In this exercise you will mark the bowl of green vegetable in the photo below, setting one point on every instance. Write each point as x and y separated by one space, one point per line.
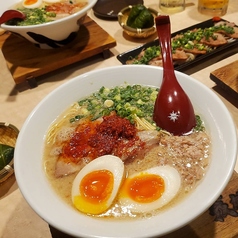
8 138
138 20
48 23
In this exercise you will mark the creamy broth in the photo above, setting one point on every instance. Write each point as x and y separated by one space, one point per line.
189 154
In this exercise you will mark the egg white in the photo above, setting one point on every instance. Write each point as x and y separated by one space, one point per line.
107 162
37 4
172 183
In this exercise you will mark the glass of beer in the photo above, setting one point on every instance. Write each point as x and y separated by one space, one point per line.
213 7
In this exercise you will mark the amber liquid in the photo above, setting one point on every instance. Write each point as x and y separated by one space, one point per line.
213 7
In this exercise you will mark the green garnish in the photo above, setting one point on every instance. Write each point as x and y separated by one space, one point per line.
34 16
125 101
188 40
131 102
199 124
149 54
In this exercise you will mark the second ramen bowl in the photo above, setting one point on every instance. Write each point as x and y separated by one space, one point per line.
49 35
44 200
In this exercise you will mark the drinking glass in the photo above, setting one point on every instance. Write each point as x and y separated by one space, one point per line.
172 6
213 7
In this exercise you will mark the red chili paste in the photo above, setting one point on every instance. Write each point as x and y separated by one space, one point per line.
114 135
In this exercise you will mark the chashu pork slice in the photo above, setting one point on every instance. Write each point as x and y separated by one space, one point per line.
125 149
229 24
217 40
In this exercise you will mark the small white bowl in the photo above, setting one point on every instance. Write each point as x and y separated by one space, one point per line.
52 34
42 198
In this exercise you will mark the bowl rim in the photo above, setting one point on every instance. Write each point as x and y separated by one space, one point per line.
131 29
80 13
196 211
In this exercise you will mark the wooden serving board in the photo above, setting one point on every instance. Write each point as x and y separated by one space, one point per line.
26 62
227 78
220 221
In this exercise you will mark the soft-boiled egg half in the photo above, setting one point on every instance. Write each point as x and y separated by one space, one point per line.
96 185
32 3
151 189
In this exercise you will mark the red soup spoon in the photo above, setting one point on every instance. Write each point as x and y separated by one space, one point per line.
11 14
173 110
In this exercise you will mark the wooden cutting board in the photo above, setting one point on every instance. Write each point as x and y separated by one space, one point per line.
220 221
227 78
26 62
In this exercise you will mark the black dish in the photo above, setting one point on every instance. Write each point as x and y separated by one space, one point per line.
109 9
200 61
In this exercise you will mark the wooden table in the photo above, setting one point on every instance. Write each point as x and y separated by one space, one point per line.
17 219
27 65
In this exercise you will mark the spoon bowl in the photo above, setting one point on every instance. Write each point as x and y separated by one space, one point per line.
11 14
173 110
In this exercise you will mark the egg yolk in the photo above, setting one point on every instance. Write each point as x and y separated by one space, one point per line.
30 2
96 187
145 188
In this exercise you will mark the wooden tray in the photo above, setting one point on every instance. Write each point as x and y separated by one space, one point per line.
26 62
220 221
227 78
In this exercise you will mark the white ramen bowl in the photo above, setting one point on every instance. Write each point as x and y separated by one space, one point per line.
52 34
42 198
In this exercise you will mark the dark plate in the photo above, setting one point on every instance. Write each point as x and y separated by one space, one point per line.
200 61
109 9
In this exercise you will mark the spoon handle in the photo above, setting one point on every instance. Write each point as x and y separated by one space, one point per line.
163 29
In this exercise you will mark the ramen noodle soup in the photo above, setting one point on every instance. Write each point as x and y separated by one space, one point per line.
106 157
43 11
